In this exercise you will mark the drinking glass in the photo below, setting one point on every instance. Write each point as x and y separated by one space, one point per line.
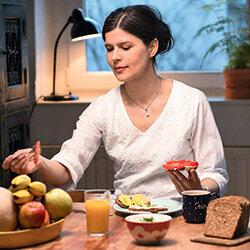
97 206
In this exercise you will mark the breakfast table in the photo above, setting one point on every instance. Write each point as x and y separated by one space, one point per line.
74 235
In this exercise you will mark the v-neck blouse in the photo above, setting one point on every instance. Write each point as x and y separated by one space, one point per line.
126 116
184 130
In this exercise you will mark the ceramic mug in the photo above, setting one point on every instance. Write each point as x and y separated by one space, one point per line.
195 204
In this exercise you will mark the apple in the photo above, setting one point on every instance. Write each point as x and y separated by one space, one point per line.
31 214
46 219
58 203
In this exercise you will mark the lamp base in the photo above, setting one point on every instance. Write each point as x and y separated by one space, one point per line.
55 97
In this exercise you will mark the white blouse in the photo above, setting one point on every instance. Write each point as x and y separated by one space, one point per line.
184 130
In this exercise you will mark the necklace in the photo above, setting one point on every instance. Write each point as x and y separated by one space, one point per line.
149 104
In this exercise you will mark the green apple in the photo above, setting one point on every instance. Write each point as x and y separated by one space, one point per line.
58 203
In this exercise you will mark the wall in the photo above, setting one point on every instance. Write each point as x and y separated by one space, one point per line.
50 16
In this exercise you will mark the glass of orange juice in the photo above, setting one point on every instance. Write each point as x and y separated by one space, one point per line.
97 206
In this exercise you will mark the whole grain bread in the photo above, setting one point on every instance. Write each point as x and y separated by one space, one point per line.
152 209
245 204
227 217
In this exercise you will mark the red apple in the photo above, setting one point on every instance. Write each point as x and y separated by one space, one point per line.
32 214
46 219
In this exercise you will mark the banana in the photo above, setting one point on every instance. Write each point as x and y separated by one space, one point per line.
12 190
37 188
22 196
20 182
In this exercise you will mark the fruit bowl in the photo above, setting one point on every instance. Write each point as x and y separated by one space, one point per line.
148 229
29 237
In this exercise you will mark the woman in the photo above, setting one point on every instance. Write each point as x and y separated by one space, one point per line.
143 123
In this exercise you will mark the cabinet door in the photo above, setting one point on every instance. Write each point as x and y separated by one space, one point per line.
14 53
15 136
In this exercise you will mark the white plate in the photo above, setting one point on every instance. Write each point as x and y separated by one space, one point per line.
171 205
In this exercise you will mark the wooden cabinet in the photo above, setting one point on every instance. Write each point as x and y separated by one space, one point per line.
14 81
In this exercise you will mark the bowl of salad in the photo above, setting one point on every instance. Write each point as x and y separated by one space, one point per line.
148 229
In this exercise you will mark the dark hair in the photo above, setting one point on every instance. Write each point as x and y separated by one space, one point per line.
144 22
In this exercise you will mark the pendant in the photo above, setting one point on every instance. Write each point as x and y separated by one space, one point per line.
147 114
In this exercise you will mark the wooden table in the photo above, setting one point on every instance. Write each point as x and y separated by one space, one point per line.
74 236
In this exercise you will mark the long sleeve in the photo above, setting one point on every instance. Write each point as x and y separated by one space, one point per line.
207 145
77 152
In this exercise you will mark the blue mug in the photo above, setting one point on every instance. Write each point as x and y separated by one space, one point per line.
194 206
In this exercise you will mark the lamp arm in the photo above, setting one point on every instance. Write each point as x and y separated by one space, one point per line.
55 55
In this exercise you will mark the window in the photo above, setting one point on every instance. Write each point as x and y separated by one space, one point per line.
185 17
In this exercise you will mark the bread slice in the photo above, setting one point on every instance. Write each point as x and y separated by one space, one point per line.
245 205
125 201
138 202
227 217
180 165
148 208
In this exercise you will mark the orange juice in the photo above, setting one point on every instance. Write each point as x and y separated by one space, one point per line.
97 214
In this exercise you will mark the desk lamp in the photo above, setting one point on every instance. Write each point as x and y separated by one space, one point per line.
82 28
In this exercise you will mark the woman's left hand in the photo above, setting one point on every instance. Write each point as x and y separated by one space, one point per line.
182 182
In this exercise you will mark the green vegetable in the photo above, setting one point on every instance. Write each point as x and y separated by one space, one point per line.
147 219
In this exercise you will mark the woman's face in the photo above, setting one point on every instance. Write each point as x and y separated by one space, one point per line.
127 55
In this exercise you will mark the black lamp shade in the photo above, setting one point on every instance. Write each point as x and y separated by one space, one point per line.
83 28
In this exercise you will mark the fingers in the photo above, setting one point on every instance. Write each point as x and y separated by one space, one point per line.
176 180
16 155
194 180
20 152
182 182
17 164
7 162
12 160
182 178
35 158
193 174
24 161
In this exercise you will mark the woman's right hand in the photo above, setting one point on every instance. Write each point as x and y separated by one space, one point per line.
23 161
